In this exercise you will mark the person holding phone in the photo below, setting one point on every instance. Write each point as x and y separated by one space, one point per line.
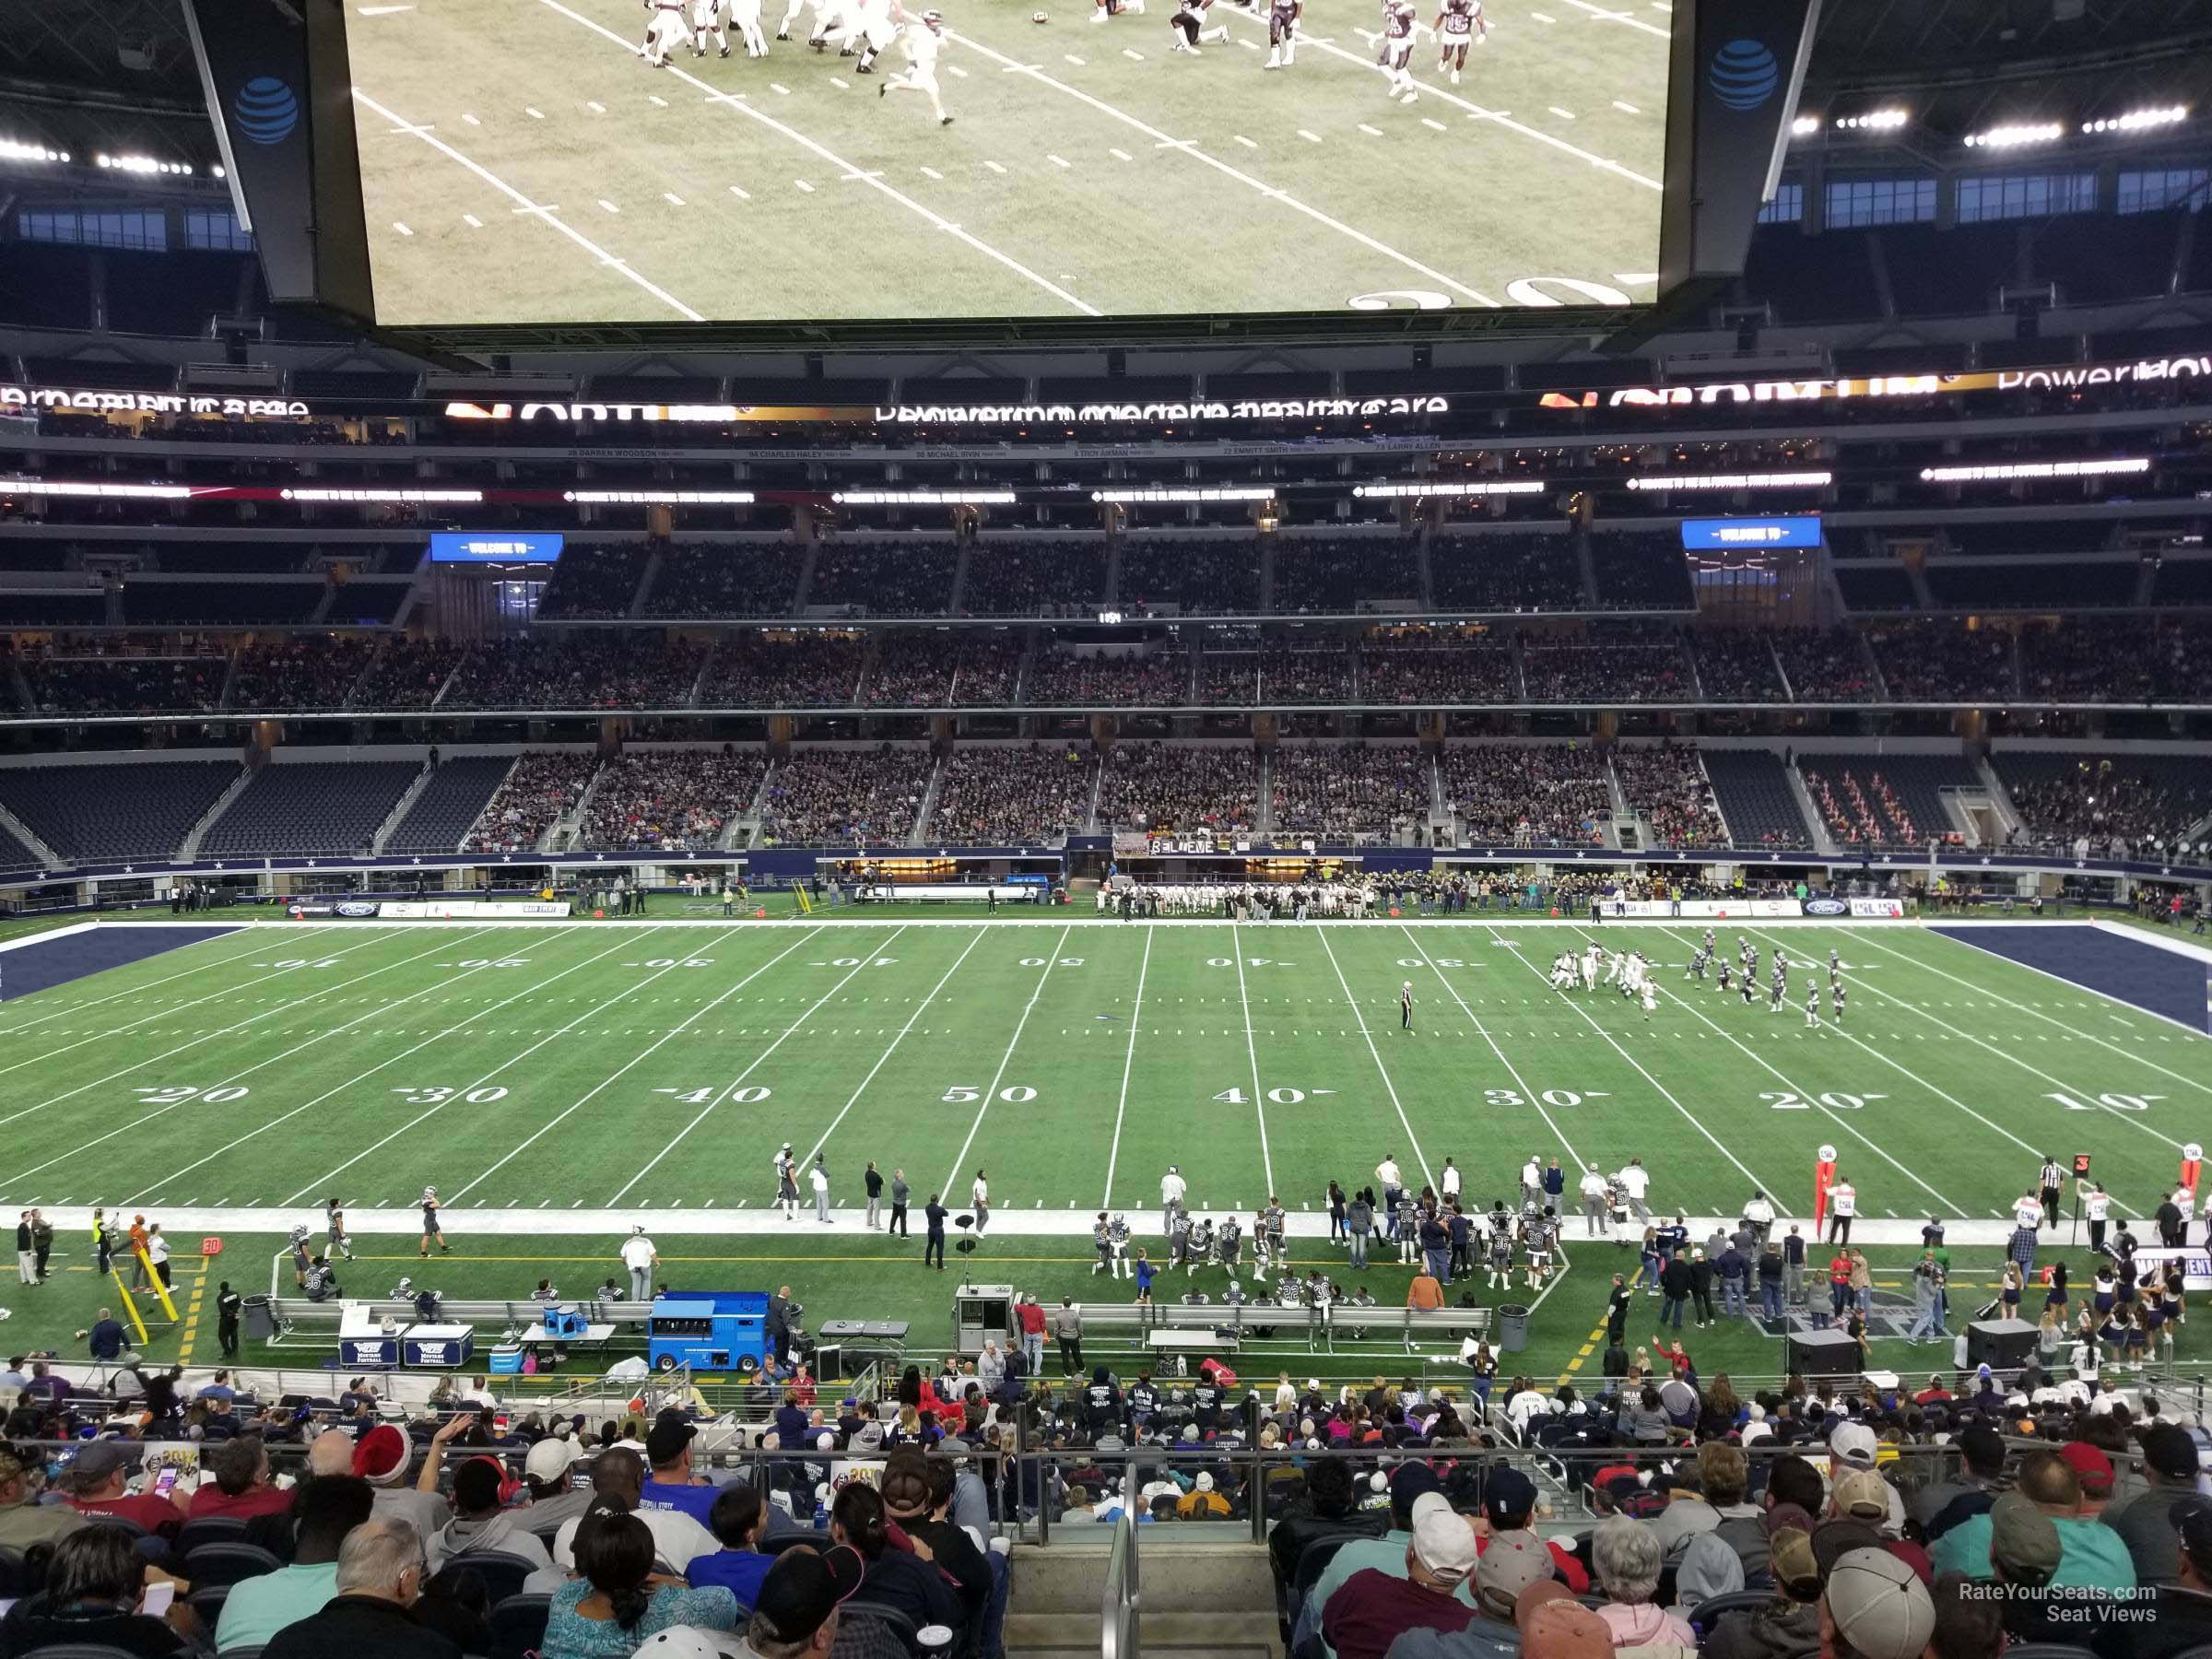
101 1591
95 1484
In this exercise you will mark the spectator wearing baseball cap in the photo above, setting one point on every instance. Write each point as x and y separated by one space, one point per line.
1937 1508
1875 1606
2092 1466
1508 1505
1555 1625
95 1484
1373 1609
22 1522
1507 1569
2092 1557
2182 1609
1790 1623
1408 1483
672 1485
2146 1525
801 1603
553 1499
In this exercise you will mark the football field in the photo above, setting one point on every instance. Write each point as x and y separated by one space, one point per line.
523 163
558 1077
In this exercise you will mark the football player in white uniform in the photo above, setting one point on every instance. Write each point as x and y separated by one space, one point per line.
710 18
1454 24
868 30
663 29
746 14
921 46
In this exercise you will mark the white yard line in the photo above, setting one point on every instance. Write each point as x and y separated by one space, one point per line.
500 184
554 1122
1606 13
738 106
2059 979
1812 1100
991 1093
288 1054
1497 117
228 992
1359 1018
1251 1053
593 1012
859 967
1658 1087
1121 1106
281 1008
1190 147
853 1099
1532 1096
2087 1096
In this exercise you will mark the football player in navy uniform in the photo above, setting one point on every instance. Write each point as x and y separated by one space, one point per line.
1455 24
1399 20
1282 32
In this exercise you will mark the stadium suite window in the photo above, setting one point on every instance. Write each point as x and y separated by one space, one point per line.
136 233
2025 195
1851 203
2148 192
219 232
1786 208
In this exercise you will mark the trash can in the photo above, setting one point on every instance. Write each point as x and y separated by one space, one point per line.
1512 1328
260 1318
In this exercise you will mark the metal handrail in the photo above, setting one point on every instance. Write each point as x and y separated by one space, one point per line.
1118 1617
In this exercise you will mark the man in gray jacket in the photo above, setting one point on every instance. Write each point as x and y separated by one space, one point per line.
1360 1222
1068 1331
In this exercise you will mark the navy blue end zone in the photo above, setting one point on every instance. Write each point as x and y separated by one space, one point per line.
2131 971
42 964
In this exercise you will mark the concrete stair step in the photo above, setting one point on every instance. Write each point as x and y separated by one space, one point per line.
1242 1635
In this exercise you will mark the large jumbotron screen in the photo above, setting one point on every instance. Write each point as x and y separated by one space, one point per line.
536 161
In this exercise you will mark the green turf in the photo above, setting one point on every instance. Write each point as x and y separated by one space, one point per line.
651 1071
1086 170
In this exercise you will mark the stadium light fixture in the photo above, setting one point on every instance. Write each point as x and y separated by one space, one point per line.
1874 120
385 495
2137 120
108 492
142 164
1226 493
1805 126
923 497
2035 469
1768 480
656 498
2015 134
1501 487
15 150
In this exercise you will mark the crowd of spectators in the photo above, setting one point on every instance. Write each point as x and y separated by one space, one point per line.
1667 784
1429 676
541 789
885 578
1158 678
409 674
584 669
1346 789
1824 664
119 685
1640 570
673 800
1151 787
1000 794
309 672
594 580
1205 578
967 669
1505 572
1527 794
1008 577
727 579
870 797
1735 667
1607 669
1337 573
2107 803
783 671
1944 662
